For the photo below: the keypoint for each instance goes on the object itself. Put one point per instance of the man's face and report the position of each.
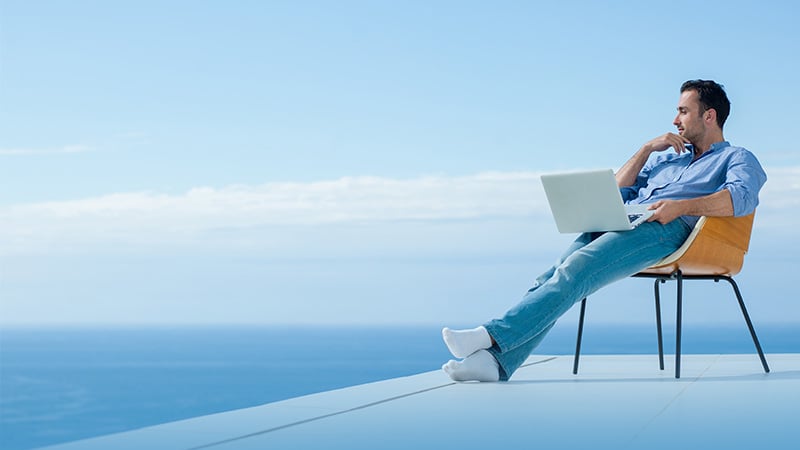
(690, 117)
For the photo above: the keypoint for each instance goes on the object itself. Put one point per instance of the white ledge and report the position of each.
(616, 401)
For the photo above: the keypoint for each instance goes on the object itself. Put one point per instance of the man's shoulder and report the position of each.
(741, 152)
(740, 156)
(737, 151)
(726, 146)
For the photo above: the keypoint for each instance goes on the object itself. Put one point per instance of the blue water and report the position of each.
(59, 385)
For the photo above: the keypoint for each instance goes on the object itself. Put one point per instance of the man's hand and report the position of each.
(666, 141)
(627, 174)
(716, 204)
(665, 211)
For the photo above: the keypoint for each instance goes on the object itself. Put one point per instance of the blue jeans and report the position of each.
(594, 260)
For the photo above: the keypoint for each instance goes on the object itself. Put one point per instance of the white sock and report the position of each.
(463, 343)
(479, 366)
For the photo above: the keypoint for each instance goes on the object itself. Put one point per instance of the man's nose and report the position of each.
(675, 121)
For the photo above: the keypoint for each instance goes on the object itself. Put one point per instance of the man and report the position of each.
(704, 176)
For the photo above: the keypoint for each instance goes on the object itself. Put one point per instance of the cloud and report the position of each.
(345, 199)
(782, 189)
(44, 151)
(779, 201)
(158, 217)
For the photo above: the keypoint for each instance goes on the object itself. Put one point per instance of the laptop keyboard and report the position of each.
(633, 217)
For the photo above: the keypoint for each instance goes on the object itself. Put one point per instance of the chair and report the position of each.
(713, 251)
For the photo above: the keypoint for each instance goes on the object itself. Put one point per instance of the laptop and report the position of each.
(590, 201)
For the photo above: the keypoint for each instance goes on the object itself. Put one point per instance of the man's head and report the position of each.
(702, 110)
(711, 95)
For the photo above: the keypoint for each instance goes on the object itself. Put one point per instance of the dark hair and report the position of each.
(711, 96)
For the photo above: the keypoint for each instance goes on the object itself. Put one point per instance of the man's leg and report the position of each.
(463, 343)
(611, 257)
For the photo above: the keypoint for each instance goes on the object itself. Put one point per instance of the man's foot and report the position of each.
(479, 366)
(463, 343)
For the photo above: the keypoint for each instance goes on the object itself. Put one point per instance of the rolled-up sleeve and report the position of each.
(743, 180)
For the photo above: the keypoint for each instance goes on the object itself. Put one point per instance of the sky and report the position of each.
(357, 162)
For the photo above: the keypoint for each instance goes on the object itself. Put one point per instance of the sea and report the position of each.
(63, 384)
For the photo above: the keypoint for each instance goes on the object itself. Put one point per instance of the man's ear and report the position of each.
(710, 115)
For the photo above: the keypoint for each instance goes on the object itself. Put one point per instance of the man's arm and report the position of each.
(716, 204)
(626, 175)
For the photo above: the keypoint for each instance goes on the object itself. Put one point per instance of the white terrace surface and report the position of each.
(615, 402)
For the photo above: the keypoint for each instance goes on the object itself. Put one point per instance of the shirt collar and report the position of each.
(714, 147)
(718, 145)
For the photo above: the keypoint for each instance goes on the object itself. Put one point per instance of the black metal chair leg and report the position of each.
(580, 335)
(679, 277)
(658, 324)
(749, 323)
(679, 313)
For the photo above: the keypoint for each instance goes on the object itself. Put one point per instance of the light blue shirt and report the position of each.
(670, 176)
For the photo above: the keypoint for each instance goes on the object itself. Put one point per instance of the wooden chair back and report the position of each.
(716, 246)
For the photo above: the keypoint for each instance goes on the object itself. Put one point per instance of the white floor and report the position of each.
(720, 402)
